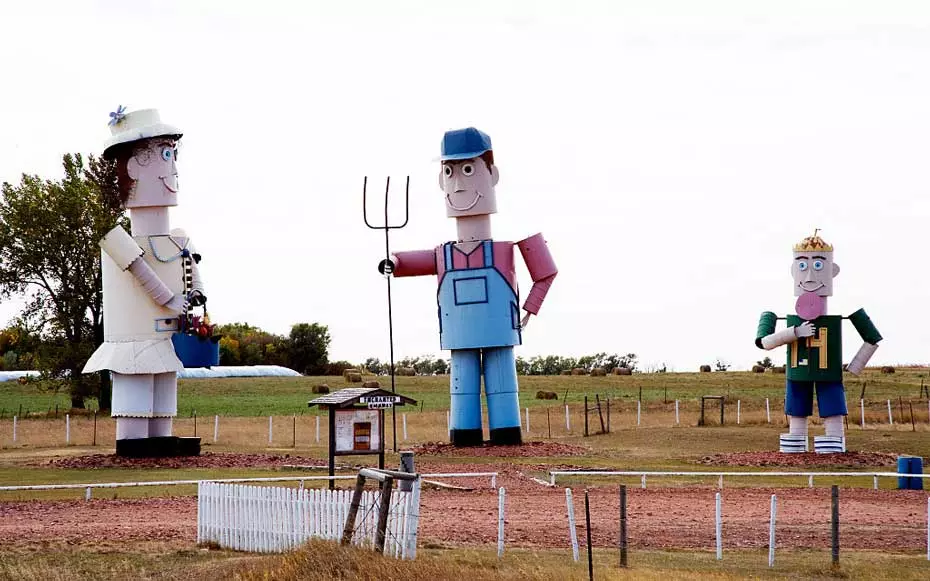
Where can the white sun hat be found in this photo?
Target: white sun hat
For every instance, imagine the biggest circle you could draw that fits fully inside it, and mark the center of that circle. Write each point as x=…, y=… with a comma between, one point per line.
x=136, y=125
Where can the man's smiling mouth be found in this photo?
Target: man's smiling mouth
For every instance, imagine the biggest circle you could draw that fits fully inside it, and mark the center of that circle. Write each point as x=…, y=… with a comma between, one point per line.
x=466, y=208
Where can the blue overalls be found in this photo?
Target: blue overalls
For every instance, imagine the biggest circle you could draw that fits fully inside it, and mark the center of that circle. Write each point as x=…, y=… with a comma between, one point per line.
x=479, y=320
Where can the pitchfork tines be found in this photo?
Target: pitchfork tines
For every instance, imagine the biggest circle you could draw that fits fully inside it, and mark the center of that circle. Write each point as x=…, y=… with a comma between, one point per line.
x=387, y=189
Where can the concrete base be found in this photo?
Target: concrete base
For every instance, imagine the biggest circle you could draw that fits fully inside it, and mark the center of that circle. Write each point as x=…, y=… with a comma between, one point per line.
x=465, y=438
x=506, y=436
x=158, y=447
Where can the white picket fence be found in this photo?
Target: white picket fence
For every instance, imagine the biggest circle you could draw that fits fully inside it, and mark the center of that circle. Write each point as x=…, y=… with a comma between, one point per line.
x=274, y=519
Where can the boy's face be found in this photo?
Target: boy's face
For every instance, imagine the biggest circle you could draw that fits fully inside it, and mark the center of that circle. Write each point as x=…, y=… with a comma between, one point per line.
x=813, y=272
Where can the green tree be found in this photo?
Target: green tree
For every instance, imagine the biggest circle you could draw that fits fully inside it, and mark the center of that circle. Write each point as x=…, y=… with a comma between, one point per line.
x=49, y=253
x=308, y=348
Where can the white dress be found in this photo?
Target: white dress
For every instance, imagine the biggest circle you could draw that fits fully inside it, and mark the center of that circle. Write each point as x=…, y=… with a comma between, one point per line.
x=137, y=331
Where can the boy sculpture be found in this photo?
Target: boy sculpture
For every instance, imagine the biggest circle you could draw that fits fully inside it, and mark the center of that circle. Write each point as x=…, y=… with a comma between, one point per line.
x=815, y=350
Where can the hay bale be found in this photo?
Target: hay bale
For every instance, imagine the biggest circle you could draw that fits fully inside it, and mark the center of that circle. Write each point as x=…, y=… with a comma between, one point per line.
x=778, y=369
x=565, y=372
x=547, y=395
x=371, y=383
x=322, y=388
x=758, y=369
x=406, y=371
x=346, y=372
x=622, y=371
x=578, y=371
x=598, y=372
x=353, y=377
x=705, y=368
x=887, y=369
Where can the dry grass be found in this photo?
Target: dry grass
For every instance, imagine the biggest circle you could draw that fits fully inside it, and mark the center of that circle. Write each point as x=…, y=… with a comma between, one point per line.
x=321, y=560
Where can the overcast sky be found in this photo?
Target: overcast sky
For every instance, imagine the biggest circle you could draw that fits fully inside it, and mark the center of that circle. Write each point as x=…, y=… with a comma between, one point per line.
x=670, y=155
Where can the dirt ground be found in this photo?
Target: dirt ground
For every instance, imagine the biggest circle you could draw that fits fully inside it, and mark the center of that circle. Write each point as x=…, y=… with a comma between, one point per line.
x=536, y=515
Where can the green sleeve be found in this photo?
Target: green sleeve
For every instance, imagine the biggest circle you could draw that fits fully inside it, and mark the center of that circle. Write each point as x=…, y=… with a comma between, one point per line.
x=864, y=326
x=766, y=327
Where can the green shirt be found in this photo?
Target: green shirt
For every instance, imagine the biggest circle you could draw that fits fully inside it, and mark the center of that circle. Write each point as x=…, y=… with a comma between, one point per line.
x=820, y=357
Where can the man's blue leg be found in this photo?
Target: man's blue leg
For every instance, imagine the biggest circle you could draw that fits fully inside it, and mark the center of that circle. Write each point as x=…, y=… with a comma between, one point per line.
x=500, y=383
x=465, y=390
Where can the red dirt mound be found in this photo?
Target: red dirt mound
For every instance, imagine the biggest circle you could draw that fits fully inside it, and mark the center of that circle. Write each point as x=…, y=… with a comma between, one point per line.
x=526, y=450
x=205, y=460
x=807, y=460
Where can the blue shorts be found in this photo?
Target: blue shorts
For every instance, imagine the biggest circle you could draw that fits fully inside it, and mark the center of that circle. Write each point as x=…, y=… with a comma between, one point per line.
x=799, y=398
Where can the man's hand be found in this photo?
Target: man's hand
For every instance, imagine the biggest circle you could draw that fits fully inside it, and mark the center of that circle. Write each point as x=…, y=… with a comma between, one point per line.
x=525, y=320
x=805, y=329
x=386, y=266
x=177, y=305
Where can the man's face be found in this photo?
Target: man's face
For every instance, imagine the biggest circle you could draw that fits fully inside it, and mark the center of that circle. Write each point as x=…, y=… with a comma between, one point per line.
x=813, y=272
x=154, y=169
x=469, y=187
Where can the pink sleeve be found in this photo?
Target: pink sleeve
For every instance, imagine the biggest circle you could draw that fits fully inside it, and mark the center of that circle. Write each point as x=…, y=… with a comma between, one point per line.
x=415, y=263
x=542, y=270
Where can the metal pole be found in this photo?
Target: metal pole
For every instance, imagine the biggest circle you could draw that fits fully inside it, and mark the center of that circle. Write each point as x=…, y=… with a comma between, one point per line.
x=387, y=255
x=772, y=512
x=890, y=419
x=500, y=522
x=718, y=521
x=768, y=413
x=67, y=429
x=216, y=428
x=587, y=520
x=568, y=424
x=573, y=534
x=623, y=541
x=318, y=429
x=835, y=524
x=862, y=413
x=404, y=416
x=677, y=418
x=738, y=405
x=585, y=415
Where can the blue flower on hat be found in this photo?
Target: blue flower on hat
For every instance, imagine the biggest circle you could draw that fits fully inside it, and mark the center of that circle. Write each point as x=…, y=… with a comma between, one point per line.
x=118, y=115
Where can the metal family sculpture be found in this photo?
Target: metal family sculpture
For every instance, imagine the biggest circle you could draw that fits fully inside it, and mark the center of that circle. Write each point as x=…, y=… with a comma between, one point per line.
x=150, y=279
x=479, y=316
x=815, y=350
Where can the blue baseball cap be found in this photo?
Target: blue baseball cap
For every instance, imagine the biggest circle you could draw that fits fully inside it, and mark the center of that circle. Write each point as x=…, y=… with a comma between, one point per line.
x=467, y=143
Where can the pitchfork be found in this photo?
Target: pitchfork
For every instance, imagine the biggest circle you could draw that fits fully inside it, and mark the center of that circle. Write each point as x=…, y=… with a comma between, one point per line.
x=387, y=227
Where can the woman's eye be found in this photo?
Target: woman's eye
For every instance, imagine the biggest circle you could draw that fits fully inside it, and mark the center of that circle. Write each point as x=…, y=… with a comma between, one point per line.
x=468, y=169
x=447, y=171
x=166, y=153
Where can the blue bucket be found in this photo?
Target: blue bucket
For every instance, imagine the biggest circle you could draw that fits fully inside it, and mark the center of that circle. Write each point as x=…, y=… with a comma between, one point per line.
x=904, y=467
x=917, y=467
x=195, y=351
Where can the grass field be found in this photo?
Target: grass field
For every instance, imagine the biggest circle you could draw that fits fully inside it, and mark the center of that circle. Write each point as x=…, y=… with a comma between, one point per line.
x=289, y=395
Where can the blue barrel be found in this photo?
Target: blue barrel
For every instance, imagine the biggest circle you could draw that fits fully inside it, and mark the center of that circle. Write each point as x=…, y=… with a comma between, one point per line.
x=917, y=467
x=904, y=467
